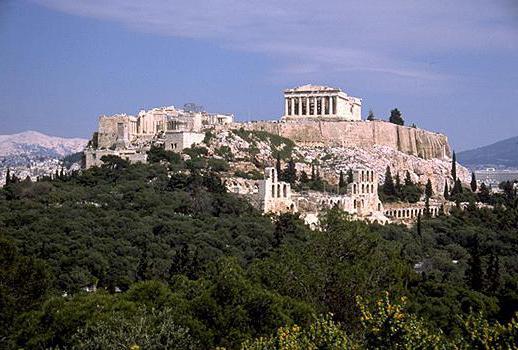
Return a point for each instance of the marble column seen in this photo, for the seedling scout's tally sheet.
(285, 106)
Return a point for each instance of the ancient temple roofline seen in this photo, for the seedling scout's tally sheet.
(313, 88)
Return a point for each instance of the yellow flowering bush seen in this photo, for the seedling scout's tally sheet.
(321, 334)
(387, 325)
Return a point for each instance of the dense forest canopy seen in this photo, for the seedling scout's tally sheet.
(177, 262)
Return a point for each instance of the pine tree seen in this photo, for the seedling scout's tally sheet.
(62, 174)
(454, 166)
(446, 190)
(388, 185)
(428, 189)
(473, 182)
(395, 117)
(371, 116)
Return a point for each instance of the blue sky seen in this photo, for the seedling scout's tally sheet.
(449, 66)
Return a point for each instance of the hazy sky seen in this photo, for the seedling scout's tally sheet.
(449, 66)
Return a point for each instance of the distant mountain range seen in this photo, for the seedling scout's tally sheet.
(34, 144)
(502, 155)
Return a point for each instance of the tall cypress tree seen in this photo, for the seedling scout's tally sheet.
(313, 172)
(388, 185)
(473, 182)
(8, 177)
(474, 271)
(290, 174)
(427, 207)
(428, 189)
(493, 273)
(278, 166)
(446, 190)
(454, 166)
(419, 233)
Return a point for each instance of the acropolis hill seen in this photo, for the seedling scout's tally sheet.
(323, 125)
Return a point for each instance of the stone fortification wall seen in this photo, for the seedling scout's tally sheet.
(413, 141)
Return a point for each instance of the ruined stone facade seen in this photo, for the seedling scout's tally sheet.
(320, 102)
(275, 195)
(130, 137)
(176, 141)
(122, 129)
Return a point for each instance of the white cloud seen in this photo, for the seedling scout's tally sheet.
(389, 37)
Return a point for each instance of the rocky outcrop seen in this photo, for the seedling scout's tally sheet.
(364, 134)
(333, 159)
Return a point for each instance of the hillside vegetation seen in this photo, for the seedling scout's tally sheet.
(177, 262)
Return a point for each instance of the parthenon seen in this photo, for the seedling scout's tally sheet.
(323, 102)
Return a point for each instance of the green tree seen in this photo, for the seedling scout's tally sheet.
(454, 167)
(473, 183)
(396, 117)
(371, 116)
(389, 189)
(483, 194)
(278, 167)
(8, 177)
(493, 273)
(290, 173)
(474, 272)
(428, 189)
(446, 190)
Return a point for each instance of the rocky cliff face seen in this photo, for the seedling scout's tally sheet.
(250, 152)
(363, 134)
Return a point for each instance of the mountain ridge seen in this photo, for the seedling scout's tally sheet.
(35, 143)
(501, 154)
